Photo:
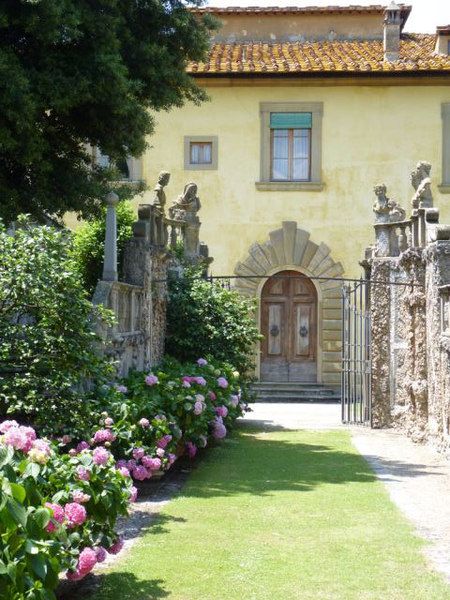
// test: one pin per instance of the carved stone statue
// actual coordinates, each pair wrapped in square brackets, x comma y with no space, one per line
[159,200]
[185,209]
[187,205]
[385,209]
[421,182]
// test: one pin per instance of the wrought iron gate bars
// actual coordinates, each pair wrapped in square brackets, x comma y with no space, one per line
[356,354]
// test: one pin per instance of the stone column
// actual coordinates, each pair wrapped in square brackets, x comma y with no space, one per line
[110,259]
[380,304]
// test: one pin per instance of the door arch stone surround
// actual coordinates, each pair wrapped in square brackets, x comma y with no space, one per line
[290,248]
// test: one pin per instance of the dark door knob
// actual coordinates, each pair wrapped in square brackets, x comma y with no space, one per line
[274,331]
[303,331]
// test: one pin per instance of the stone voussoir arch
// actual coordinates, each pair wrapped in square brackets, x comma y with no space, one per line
[291,247]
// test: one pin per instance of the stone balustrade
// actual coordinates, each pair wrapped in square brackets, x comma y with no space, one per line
[136,341]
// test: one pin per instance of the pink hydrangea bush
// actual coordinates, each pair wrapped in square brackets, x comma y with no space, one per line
[54,495]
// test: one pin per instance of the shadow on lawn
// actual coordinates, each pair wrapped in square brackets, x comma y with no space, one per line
[250,463]
[119,584]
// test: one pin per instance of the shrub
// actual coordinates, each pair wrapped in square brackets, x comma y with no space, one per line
[57,512]
[47,347]
[89,243]
[151,419]
[59,502]
[204,319]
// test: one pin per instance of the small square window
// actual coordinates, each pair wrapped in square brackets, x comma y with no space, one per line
[200,152]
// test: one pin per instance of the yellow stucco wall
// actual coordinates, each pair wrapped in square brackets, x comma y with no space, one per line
[371,134]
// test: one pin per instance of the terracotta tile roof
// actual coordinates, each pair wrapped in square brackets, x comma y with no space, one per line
[270,10]
[416,55]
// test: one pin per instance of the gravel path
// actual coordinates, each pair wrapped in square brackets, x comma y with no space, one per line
[417,478]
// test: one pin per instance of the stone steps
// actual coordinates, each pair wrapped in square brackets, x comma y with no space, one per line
[267,391]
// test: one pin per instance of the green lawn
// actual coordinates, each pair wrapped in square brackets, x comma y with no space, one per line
[278,515]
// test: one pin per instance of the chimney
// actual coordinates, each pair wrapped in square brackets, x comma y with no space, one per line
[391,32]
[443,40]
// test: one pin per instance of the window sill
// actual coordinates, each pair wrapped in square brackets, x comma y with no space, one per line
[200,167]
[289,186]
[444,188]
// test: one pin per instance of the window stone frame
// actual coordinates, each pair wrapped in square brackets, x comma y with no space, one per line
[213,165]
[315,183]
[444,188]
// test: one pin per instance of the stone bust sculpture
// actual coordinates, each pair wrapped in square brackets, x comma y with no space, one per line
[385,209]
[187,205]
[159,200]
[421,182]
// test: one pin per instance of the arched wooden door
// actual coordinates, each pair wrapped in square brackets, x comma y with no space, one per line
[289,327]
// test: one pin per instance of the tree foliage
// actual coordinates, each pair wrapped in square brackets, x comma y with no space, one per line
[75,73]
[47,344]
[204,319]
[89,244]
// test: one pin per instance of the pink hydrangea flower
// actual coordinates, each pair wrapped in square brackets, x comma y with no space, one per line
[124,471]
[138,453]
[100,456]
[144,423]
[121,463]
[171,458]
[131,464]
[186,383]
[57,515]
[221,411]
[160,452]
[83,474]
[16,438]
[222,382]
[75,514]
[162,442]
[117,547]
[80,497]
[154,464]
[198,408]
[202,362]
[234,401]
[134,494]
[191,449]
[140,473]
[101,554]
[212,396]
[82,446]
[200,380]
[103,435]
[219,431]
[66,439]
[109,422]
[40,451]
[87,560]
[151,379]
[5,425]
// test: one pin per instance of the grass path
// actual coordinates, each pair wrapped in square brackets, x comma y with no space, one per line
[278,515]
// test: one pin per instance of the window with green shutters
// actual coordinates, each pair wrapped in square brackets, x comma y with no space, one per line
[290,146]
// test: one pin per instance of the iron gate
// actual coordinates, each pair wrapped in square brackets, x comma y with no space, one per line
[356,354]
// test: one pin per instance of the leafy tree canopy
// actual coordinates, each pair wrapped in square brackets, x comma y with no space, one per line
[85,72]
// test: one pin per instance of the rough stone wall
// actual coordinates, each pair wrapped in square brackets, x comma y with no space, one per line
[380,303]
[145,265]
[438,274]
[412,386]
[411,316]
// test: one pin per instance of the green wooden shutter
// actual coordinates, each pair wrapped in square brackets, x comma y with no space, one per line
[285,120]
